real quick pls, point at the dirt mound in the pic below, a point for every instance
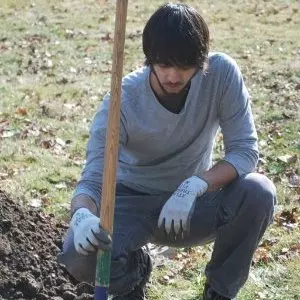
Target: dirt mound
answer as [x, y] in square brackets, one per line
[29, 244]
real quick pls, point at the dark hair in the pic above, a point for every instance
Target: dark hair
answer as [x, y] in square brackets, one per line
[176, 34]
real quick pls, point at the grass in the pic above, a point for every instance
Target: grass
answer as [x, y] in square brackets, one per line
[55, 68]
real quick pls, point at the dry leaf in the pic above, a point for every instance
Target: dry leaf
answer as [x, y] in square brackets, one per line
[262, 295]
[295, 247]
[60, 142]
[3, 175]
[294, 180]
[61, 186]
[47, 144]
[289, 216]
[107, 37]
[22, 111]
[267, 243]
[262, 255]
[282, 258]
[284, 250]
[70, 105]
[3, 123]
[46, 201]
[37, 203]
[8, 134]
[287, 158]
[73, 70]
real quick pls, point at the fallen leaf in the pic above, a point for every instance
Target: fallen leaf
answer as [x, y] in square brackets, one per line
[4, 123]
[3, 47]
[88, 61]
[277, 179]
[37, 203]
[262, 295]
[70, 105]
[282, 258]
[64, 205]
[62, 80]
[284, 250]
[48, 64]
[69, 34]
[47, 144]
[287, 158]
[289, 253]
[171, 274]
[295, 247]
[46, 201]
[3, 175]
[107, 37]
[294, 180]
[288, 218]
[61, 186]
[22, 111]
[8, 134]
[286, 115]
[261, 255]
[60, 142]
[267, 243]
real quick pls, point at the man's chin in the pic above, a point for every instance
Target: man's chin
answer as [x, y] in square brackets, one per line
[174, 91]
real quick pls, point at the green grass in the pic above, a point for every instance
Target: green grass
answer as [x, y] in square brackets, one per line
[55, 68]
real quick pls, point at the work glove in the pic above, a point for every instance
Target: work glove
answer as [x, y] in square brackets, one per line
[179, 207]
[89, 236]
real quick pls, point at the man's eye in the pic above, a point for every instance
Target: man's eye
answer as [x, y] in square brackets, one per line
[164, 66]
[187, 67]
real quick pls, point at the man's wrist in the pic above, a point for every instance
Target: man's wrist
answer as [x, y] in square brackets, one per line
[203, 179]
[83, 201]
[202, 184]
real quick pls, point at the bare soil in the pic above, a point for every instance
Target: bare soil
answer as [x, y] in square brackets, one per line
[29, 244]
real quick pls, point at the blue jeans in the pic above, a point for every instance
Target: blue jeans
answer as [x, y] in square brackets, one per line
[235, 218]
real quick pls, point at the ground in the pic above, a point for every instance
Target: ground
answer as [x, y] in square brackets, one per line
[29, 244]
[54, 70]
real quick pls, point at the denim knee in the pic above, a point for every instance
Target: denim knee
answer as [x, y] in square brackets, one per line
[81, 267]
[129, 271]
[260, 193]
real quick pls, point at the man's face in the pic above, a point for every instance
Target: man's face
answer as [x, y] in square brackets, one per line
[172, 78]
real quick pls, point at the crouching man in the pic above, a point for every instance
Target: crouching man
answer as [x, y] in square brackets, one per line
[168, 190]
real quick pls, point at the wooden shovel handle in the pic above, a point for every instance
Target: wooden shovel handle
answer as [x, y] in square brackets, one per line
[113, 128]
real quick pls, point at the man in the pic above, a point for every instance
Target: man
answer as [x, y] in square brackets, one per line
[168, 191]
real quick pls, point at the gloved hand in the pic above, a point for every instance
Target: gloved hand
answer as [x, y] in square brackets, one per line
[178, 209]
[88, 235]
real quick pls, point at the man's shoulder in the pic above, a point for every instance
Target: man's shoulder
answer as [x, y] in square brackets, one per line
[218, 61]
[219, 57]
[136, 78]
[133, 84]
[220, 65]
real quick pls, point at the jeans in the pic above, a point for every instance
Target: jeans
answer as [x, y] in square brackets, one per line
[235, 218]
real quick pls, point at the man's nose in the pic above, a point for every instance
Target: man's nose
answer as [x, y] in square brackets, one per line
[173, 75]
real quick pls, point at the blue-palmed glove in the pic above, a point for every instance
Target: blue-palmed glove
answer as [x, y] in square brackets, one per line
[179, 207]
[89, 236]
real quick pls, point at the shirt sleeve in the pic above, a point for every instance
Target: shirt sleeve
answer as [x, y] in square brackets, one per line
[236, 121]
[90, 182]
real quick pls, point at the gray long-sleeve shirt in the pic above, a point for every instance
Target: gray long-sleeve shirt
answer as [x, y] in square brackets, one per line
[160, 149]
